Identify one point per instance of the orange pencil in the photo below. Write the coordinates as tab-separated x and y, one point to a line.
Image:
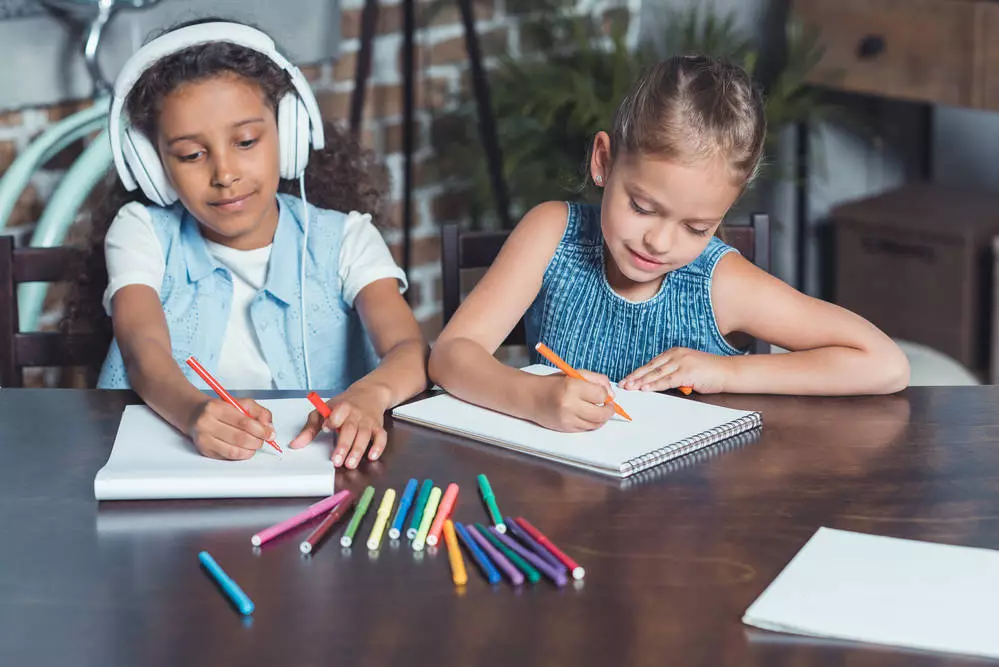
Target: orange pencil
547	353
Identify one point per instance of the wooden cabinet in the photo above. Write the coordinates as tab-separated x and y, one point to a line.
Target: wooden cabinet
917	262
940	51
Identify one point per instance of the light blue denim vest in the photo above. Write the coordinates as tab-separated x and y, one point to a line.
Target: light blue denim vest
584	321
197	296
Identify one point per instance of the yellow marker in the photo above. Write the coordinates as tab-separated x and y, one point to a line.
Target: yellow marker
428	516
381	519
454	555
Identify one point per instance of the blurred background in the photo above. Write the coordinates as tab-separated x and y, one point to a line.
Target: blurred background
882	174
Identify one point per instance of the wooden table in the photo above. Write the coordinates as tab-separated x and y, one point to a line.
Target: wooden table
672	563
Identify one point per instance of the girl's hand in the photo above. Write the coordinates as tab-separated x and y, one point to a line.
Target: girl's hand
565	404
681	367
220	431
357	415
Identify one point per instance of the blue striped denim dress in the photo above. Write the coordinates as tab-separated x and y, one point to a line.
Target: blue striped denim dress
579	316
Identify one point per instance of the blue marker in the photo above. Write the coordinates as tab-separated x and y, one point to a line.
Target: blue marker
486	565
231	588
400	514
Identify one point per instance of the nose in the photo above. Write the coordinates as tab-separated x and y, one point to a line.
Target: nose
660	238
224	172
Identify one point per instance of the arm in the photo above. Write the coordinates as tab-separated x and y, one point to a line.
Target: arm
358	413
832	351
398	341
217	429
462	360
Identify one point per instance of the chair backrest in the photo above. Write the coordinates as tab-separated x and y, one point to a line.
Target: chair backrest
475	250
19	350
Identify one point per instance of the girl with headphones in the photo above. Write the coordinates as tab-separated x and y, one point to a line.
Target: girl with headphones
222	258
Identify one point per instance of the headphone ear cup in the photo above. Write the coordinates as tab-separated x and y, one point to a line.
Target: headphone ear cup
293	136
144	163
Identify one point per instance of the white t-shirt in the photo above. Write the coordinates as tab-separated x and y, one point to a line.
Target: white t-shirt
135	257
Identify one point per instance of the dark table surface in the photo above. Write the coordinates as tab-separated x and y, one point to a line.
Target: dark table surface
672	560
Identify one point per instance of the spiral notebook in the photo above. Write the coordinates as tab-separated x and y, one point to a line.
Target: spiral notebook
664	428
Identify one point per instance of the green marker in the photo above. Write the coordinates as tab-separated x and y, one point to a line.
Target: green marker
532	574
490	499
421	502
428	517
355	521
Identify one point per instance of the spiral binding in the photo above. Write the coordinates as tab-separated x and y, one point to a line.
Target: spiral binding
659	472
692	444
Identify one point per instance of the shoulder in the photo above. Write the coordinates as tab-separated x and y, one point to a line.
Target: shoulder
706	264
545	224
132	222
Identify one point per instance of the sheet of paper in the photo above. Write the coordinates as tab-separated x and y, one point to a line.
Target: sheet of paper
151	459
659	422
883	590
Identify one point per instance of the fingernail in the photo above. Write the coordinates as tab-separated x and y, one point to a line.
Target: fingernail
352	462
373	455
326	429
337	460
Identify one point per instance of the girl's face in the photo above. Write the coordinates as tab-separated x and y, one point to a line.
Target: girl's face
656	215
218	141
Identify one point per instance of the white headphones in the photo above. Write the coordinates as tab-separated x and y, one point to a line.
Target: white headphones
298	119
136	158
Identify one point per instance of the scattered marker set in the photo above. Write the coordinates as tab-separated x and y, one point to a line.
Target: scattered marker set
510	548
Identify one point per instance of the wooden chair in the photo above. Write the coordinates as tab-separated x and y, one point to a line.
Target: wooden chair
476	250
20	350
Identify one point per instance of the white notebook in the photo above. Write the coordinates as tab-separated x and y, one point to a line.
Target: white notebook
152	460
663	428
885	590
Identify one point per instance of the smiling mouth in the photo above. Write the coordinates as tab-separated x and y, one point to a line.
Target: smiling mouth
645	259
231	202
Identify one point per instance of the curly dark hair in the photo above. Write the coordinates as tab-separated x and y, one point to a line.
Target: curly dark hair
344	176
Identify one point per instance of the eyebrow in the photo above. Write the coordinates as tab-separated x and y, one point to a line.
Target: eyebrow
195	137
644	195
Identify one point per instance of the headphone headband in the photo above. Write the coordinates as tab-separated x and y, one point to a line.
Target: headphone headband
194	35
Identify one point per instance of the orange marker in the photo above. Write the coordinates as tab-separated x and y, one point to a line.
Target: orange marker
222	393
686	391
458	573
443	513
547	353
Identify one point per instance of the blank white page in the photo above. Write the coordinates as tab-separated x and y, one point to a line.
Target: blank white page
151	459
885	590
660	422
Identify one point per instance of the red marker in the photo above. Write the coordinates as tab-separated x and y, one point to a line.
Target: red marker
223	394
321	407
577	572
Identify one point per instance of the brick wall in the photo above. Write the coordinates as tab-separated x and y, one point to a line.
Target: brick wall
442	74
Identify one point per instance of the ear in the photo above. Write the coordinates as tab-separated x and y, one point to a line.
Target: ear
600	159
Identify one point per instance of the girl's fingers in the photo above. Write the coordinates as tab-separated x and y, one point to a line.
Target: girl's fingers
344	442
361	441
309	431
381	440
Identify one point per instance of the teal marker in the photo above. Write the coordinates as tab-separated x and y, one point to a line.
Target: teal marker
359	512
490	499
231	588
421	502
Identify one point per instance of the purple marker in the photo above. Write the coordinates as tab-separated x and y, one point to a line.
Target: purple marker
515	576
532	543
558	576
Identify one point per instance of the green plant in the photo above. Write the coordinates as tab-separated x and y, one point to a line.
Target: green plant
548	106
